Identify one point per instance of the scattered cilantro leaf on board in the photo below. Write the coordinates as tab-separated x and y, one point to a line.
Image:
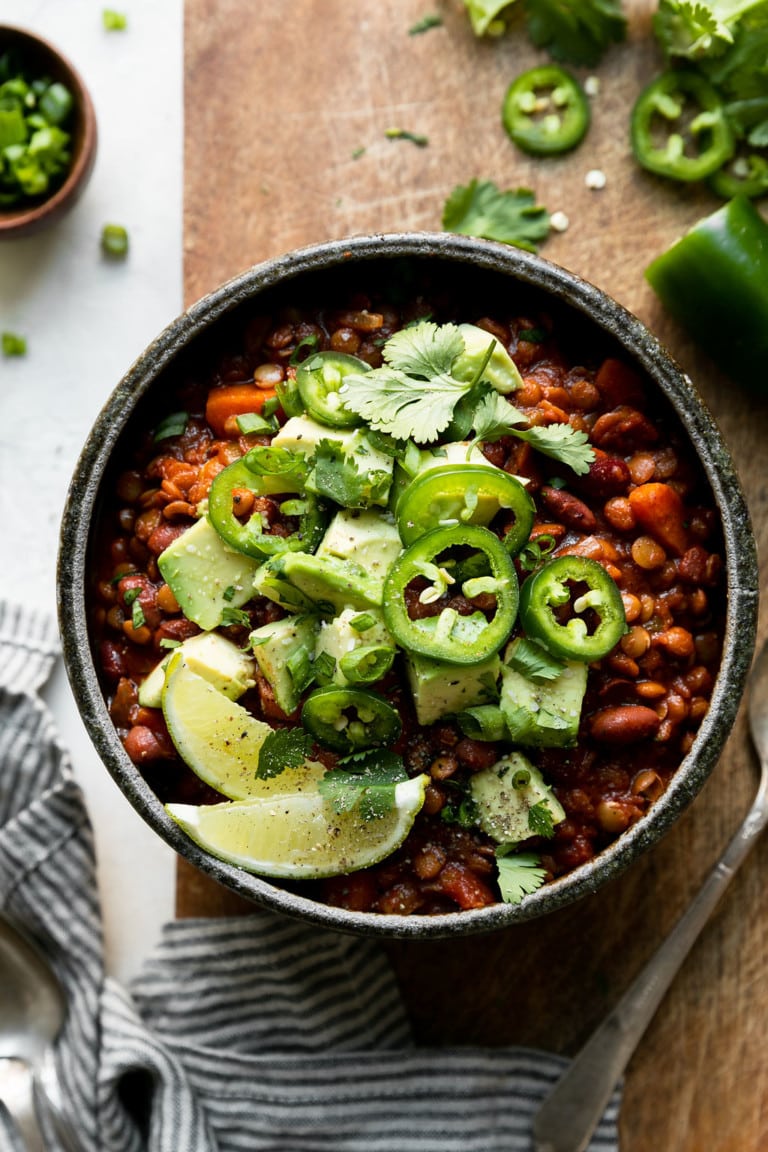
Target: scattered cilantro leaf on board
481	209
431	20
487	17
691	29
575	31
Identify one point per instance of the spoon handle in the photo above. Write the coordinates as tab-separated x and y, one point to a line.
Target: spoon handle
17	1094
569	1115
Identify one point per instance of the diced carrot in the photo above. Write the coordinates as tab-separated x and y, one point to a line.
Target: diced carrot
233	400
659	510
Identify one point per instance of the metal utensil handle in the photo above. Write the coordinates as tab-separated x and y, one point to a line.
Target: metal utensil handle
568	1117
18	1096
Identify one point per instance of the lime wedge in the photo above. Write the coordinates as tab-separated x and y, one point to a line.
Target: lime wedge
219	739
296	834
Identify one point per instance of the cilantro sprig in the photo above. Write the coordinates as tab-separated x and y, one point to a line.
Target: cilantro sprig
413	395
495	417
572	32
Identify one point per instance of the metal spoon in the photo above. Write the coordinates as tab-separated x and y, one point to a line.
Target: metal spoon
569	1115
33	1008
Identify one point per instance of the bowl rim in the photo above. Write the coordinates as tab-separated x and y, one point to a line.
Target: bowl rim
643	348
23	220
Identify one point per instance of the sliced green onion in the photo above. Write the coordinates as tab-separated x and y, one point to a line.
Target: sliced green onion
113	21
173	425
324	668
485	722
362	622
138	618
56	103
114	241
13	344
367	664
250	422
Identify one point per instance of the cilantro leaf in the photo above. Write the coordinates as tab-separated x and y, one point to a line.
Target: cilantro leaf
413	395
742	72
519	875
532	660
230	616
424	350
487	16
575	31
540	821
691	29
338	477
495	417
563	443
481	209
366	780
283	748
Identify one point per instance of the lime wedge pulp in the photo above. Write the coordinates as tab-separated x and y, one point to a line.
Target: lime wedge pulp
219	739
296	834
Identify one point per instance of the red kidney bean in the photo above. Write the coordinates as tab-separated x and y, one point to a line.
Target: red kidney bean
144	745
624	724
111	660
567	508
608	476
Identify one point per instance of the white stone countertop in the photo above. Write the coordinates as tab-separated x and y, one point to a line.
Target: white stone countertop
86	320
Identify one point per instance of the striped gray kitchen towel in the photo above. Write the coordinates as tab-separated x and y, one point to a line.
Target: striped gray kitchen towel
250	1033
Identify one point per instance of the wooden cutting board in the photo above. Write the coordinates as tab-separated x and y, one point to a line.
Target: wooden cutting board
280	97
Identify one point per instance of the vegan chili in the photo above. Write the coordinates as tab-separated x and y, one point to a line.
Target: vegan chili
643	513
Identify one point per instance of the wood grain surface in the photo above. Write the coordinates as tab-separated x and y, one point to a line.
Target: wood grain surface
279	98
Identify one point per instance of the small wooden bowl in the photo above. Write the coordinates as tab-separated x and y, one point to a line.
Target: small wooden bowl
41	58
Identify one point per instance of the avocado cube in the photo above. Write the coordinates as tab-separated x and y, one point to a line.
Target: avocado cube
544	713
440	689
209	655
205	575
366	537
504	796
501	372
273	646
327	581
303	434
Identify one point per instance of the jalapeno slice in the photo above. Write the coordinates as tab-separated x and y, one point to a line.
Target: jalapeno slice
574	608
350	719
236	484
546	111
319	379
451	636
680	128
465	494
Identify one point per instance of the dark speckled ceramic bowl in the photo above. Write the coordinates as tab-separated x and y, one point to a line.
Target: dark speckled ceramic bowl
473	269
